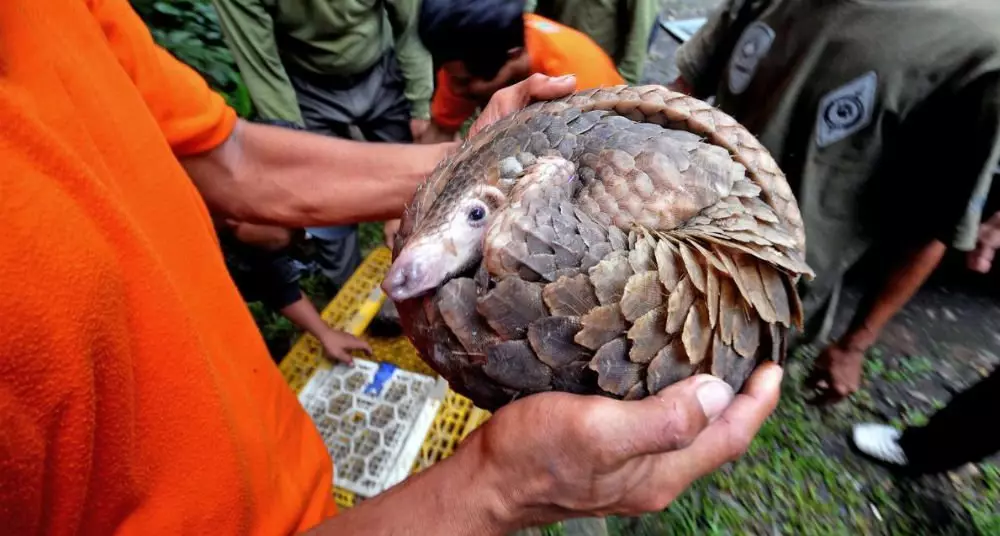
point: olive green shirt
(621, 28)
(883, 114)
(331, 37)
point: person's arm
(580, 457)
(414, 60)
(279, 176)
(642, 17)
(337, 344)
(981, 259)
(838, 369)
(702, 59)
(249, 31)
(952, 201)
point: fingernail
(565, 77)
(714, 397)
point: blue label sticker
(382, 375)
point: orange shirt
(554, 49)
(136, 394)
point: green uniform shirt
(622, 29)
(333, 37)
(883, 114)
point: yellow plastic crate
(352, 310)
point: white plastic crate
(373, 418)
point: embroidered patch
(750, 49)
(846, 110)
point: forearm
(458, 496)
(289, 178)
(305, 316)
(882, 303)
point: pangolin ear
(493, 197)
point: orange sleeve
(448, 110)
(192, 116)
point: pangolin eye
(477, 214)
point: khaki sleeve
(249, 31)
(641, 17)
(701, 59)
(973, 154)
(937, 168)
(414, 60)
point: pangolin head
(447, 239)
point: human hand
(510, 99)
(418, 127)
(555, 456)
(435, 134)
(338, 346)
(389, 230)
(269, 237)
(981, 258)
(836, 374)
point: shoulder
(557, 49)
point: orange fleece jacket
(554, 50)
(136, 394)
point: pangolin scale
(632, 237)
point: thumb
(671, 419)
(541, 87)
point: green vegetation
(189, 29)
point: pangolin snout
(402, 279)
(415, 271)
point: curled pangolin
(611, 242)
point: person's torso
(331, 37)
(827, 84)
(126, 346)
(558, 50)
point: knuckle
(679, 428)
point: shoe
(880, 442)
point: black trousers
(370, 106)
(964, 431)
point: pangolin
(611, 242)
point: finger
(981, 259)
(817, 377)
(363, 347)
(989, 232)
(666, 421)
(512, 98)
(727, 438)
(343, 357)
(541, 87)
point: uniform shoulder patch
(753, 45)
(846, 110)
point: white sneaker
(880, 442)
